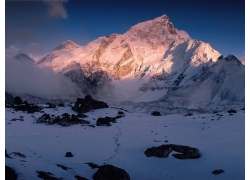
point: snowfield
(220, 138)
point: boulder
(218, 171)
(87, 104)
(103, 122)
(68, 154)
(164, 150)
(10, 173)
(17, 100)
(109, 172)
(9, 99)
(156, 113)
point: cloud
(34, 51)
(184, 34)
(29, 78)
(56, 8)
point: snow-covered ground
(219, 137)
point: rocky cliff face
(151, 62)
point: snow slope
(219, 137)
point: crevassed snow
(219, 137)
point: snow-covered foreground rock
(219, 137)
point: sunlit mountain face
(152, 62)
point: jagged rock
(10, 174)
(87, 104)
(63, 167)
(232, 111)
(80, 115)
(156, 113)
(161, 151)
(109, 172)
(80, 178)
(46, 175)
(121, 113)
(68, 154)
(103, 122)
(61, 105)
(165, 150)
(17, 100)
(51, 105)
(6, 154)
(44, 118)
(218, 171)
(30, 108)
(19, 154)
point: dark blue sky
(36, 27)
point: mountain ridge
(150, 56)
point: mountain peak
(23, 58)
(67, 45)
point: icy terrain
(220, 137)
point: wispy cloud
(184, 34)
(28, 78)
(56, 8)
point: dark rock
(165, 150)
(61, 105)
(46, 175)
(80, 178)
(69, 154)
(121, 113)
(63, 167)
(80, 115)
(189, 114)
(109, 172)
(111, 119)
(19, 154)
(161, 151)
(10, 174)
(30, 108)
(92, 165)
(87, 104)
(91, 125)
(103, 122)
(232, 111)
(17, 100)
(243, 109)
(218, 171)
(6, 154)
(51, 105)
(156, 113)
(44, 118)
(120, 116)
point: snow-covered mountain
(152, 62)
(23, 58)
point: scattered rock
(121, 113)
(80, 178)
(19, 154)
(103, 122)
(30, 108)
(156, 113)
(232, 111)
(63, 167)
(109, 172)
(69, 154)
(189, 114)
(164, 150)
(10, 173)
(45, 118)
(51, 105)
(6, 154)
(92, 165)
(81, 115)
(61, 105)
(218, 171)
(46, 175)
(106, 121)
(87, 104)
